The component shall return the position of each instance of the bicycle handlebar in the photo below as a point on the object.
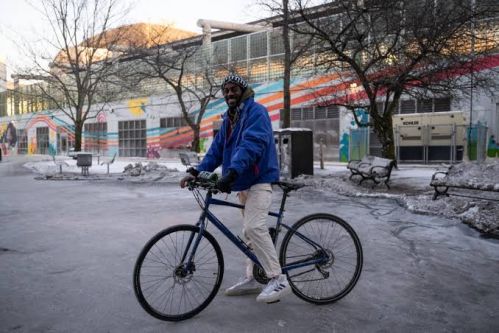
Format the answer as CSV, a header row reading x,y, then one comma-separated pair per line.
x,y
208,181
205,180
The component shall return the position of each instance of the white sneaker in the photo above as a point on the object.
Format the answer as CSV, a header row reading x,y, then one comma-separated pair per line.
x,y
275,290
245,286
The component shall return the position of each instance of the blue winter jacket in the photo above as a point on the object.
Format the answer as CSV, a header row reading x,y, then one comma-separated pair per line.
x,y
249,148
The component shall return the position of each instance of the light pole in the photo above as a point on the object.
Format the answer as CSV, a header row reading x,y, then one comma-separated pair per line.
x,y
472,21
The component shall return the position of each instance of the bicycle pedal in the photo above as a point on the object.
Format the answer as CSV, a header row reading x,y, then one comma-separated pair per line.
x,y
274,302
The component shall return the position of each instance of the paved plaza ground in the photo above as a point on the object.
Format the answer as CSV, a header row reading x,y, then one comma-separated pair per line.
x,y
67,250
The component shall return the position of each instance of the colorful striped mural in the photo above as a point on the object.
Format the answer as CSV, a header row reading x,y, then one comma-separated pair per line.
x,y
319,90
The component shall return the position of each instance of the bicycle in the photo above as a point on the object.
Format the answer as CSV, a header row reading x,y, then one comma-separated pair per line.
x,y
180,269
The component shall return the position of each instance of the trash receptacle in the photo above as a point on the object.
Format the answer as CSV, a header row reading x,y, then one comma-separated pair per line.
x,y
295,150
84,161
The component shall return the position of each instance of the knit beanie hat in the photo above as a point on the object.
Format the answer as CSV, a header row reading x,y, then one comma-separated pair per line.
x,y
235,79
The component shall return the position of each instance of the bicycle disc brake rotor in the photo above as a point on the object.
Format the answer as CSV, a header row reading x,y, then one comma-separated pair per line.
x,y
181,275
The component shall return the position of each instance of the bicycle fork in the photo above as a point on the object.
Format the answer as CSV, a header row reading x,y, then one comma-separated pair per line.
x,y
186,265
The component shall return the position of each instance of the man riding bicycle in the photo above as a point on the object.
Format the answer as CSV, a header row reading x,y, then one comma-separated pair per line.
x,y
245,148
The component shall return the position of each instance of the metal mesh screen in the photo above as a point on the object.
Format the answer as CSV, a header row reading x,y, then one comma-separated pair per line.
x,y
238,48
258,45
220,52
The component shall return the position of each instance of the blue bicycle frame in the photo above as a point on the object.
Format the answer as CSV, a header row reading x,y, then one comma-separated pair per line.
x,y
207,214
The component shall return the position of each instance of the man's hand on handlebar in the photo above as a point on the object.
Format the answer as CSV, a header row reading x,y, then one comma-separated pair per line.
x,y
191,175
186,180
225,183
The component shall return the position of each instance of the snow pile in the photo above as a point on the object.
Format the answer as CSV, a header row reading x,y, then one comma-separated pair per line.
x,y
141,170
480,214
411,188
473,175
122,170
149,172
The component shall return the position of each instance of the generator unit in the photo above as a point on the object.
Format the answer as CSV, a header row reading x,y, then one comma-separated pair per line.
x,y
430,137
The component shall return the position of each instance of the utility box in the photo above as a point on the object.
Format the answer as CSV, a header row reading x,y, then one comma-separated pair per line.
x,y
295,151
84,161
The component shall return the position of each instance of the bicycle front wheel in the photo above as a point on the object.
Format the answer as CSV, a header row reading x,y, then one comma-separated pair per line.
x,y
322,236
165,285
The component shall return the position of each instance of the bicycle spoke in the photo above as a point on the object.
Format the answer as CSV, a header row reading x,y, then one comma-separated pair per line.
x,y
333,277
165,286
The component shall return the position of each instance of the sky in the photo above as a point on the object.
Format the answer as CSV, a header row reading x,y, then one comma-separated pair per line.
x,y
19,20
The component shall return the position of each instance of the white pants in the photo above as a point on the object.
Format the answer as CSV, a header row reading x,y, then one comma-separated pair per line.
x,y
257,200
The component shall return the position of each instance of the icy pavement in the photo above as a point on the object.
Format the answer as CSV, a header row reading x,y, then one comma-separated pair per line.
x,y
409,185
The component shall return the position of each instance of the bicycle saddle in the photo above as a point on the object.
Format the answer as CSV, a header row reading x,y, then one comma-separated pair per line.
x,y
288,186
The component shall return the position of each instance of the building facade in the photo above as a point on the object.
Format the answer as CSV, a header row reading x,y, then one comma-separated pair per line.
x,y
145,124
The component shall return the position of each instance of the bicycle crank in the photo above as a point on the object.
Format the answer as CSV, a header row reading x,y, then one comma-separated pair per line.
x,y
259,275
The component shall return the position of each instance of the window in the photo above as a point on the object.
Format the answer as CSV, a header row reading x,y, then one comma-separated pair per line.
x,y
276,43
238,48
220,52
320,113
425,105
442,104
329,112
308,113
42,140
333,112
22,141
258,45
95,137
295,114
408,106
173,122
132,138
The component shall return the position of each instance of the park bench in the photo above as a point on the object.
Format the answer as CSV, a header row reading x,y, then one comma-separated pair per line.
x,y
108,161
354,165
372,168
189,158
443,181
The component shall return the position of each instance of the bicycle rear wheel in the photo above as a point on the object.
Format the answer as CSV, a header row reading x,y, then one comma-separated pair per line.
x,y
165,287
332,279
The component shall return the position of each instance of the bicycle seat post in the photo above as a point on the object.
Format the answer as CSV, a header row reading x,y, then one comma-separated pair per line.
x,y
285,194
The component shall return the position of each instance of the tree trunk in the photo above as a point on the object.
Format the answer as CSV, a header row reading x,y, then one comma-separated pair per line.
x,y
384,132
195,139
78,134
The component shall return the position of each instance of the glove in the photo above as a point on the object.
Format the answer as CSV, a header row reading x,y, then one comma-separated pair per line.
x,y
192,173
225,183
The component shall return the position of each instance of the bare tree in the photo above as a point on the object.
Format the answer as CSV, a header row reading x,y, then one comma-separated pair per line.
x,y
185,69
379,50
81,78
292,53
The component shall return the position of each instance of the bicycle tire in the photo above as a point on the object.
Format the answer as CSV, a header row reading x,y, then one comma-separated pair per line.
x,y
336,237
158,284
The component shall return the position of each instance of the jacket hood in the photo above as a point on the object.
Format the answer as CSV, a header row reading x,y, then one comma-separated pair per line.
x,y
249,92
